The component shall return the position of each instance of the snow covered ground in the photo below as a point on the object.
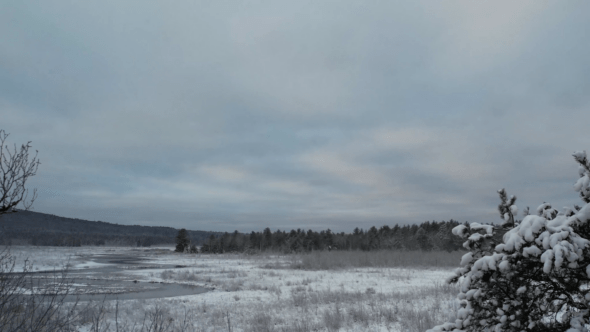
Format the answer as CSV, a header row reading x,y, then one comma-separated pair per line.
x,y
265,293
57,258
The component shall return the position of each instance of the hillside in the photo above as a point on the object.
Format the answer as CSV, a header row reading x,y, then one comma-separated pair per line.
x,y
46,229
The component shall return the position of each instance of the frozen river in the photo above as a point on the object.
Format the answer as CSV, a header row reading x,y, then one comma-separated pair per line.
x,y
110,279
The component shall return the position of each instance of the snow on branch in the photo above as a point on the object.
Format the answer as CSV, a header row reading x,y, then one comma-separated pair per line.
x,y
531,275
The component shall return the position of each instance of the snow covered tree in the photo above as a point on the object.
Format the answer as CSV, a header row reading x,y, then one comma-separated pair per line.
x,y
536,278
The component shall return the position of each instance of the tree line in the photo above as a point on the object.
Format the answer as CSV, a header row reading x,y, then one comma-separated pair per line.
x,y
426,236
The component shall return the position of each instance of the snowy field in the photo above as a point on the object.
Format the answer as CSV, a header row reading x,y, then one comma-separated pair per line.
x,y
269,292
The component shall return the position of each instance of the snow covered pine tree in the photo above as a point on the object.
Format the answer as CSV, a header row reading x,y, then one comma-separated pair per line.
x,y
537,278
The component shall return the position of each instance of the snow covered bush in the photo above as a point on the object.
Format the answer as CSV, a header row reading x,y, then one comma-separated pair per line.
x,y
531,275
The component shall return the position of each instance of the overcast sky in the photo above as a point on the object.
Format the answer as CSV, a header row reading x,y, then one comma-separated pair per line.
x,y
241,115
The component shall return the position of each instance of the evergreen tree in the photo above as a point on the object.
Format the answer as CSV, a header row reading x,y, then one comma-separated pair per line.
x,y
280,240
443,237
255,242
373,238
266,238
182,241
329,239
233,242
423,240
224,242
536,278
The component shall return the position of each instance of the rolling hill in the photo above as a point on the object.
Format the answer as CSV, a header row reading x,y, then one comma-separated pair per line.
x,y
27,227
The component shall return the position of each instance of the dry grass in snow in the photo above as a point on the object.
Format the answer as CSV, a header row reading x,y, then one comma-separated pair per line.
x,y
324,291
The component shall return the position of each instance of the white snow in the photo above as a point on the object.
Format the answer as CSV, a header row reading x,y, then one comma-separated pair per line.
x,y
245,287
580,154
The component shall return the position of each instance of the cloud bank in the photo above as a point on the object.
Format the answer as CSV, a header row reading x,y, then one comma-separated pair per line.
x,y
304,114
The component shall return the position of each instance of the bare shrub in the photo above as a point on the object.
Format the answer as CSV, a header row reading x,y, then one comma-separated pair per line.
x,y
301,325
96,314
25,306
299,298
233,285
388,314
333,318
359,314
261,322
157,319
416,320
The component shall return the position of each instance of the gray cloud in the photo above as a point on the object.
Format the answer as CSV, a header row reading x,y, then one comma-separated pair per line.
x,y
207,115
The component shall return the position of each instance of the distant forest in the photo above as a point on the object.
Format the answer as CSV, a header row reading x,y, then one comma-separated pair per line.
x,y
27,227
426,236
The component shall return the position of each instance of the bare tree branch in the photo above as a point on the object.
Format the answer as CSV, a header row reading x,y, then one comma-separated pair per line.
x,y
16,167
